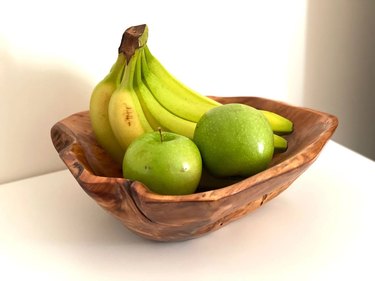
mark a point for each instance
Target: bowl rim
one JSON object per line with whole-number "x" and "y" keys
{"x": 304, "y": 157}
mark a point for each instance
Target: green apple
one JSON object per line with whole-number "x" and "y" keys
{"x": 234, "y": 140}
{"x": 167, "y": 163}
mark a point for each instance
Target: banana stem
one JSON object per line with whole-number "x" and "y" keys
{"x": 144, "y": 60}
{"x": 128, "y": 78}
{"x": 117, "y": 69}
{"x": 133, "y": 38}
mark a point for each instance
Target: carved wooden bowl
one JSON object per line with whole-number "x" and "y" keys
{"x": 216, "y": 202}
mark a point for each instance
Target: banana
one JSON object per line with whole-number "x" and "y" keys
{"x": 280, "y": 144}
{"x": 171, "y": 93}
{"x": 139, "y": 95}
{"x": 140, "y": 88}
{"x": 166, "y": 120}
{"x": 125, "y": 112}
{"x": 98, "y": 112}
{"x": 279, "y": 124}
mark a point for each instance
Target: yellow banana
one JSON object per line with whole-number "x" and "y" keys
{"x": 280, "y": 144}
{"x": 126, "y": 115}
{"x": 99, "y": 101}
{"x": 167, "y": 120}
{"x": 279, "y": 124}
{"x": 171, "y": 93}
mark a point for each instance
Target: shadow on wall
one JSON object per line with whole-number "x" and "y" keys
{"x": 340, "y": 68}
{"x": 34, "y": 96}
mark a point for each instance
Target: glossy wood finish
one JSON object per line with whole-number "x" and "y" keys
{"x": 216, "y": 203}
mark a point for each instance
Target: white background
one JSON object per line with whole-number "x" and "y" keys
{"x": 52, "y": 53}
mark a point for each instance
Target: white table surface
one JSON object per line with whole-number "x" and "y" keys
{"x": 321, "y": 228}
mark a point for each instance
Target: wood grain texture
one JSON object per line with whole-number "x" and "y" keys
{"x": 216, "y": 203}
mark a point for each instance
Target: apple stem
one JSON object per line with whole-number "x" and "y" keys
{"x": 161, "y": 135}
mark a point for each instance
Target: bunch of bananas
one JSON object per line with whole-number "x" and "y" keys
{"x": 139, "y": 95}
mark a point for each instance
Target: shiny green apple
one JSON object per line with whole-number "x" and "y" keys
{"x": 167, "y": 163}
{"x": 234, "y": 140}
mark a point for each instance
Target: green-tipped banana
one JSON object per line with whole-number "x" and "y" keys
{"x": 280, "y": 144}
{"x": 172, "y": 94}
{"x": 126, "y": 116}
{"x": 167, "y": 120}
{"x": 99, "y": 110}
{"x": 279, "y": 124}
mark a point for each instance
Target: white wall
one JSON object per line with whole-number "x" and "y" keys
{"x": 53, "y": 52}
{"x": 340, "y": 68}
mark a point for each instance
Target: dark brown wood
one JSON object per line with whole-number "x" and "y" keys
{"x": 216, "y": 203}
{"x": 133, "y": 38}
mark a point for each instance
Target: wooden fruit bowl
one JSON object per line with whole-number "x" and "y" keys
{"x": 216, "y": 203}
